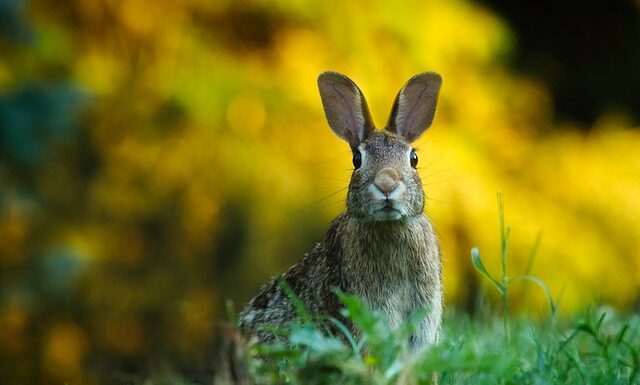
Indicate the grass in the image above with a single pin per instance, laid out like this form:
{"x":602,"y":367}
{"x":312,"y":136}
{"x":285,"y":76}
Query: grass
{"x":599,"y":346}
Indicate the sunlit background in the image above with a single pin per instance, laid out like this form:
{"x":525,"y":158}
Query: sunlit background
{"x":159,"y":158}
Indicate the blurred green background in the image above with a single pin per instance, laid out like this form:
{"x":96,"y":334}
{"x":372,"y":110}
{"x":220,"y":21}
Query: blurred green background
{"x":157,"y":159}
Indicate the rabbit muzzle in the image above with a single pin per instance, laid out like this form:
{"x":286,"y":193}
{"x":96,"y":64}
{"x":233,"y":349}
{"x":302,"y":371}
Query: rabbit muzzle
{"x":386,"y":195}
{"x":387,"y":180}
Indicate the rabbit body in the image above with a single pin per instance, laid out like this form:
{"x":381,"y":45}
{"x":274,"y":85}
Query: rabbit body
{"x":383,"y":248}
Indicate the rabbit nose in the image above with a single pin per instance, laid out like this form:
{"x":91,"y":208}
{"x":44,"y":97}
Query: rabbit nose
{"x":387,"y":180}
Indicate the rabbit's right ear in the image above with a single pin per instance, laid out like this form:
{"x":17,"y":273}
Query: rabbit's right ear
{"x":345,"y":108}
{"x":415,"y":106}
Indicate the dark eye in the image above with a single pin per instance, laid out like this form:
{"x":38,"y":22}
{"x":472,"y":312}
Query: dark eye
{"x":357,"y":159}
{"x":413,"y":159}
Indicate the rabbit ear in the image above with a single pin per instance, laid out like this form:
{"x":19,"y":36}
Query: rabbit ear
{"x":415,"y":106}
{"x":345,"y":108}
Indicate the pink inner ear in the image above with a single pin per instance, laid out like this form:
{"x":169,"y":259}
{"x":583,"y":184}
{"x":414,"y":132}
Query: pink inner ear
{"x":344,"y":106}
{"x":348,"y":112}
{"x":415,"y":106}
{"x":409,"y":128}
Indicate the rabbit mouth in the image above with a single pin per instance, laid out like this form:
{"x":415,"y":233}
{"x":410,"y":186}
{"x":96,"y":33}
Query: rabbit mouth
{"x":388,"y":212}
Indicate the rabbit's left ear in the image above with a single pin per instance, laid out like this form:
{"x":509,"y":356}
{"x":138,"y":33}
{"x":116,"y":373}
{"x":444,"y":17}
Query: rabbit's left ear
{"x":345,"y":108}
{"x":415,"y":106}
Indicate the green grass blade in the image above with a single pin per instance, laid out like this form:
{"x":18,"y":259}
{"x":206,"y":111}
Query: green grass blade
{"x":298,"y":305}
{"x":477,"y":263}
{"x":542,"y":285}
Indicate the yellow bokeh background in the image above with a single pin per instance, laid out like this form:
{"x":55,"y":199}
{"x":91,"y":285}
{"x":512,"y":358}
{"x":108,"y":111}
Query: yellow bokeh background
{"x":204,"y":167}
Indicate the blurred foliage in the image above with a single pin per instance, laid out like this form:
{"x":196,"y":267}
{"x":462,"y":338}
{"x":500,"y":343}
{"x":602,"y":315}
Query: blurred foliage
{"x":157,"y":160}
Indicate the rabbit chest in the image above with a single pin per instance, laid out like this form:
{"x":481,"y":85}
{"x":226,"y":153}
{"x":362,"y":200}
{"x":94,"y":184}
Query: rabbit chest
{"x":395,"y":269}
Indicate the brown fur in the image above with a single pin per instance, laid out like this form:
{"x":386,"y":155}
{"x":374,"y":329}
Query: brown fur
{"x":391,"y":263}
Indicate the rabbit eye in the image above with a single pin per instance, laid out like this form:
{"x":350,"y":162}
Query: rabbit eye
{"x":413,"y":159}
{"x":357,"y":159}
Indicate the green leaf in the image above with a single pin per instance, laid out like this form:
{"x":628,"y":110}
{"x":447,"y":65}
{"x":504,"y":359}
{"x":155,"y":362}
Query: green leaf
{"x":313,"y":338}
{"x":347,"y":334}
{"x":477,"y":263}
{"x":542,"y":285}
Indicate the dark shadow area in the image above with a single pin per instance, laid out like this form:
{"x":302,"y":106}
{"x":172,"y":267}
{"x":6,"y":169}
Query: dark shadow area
{"x":587,"y":53}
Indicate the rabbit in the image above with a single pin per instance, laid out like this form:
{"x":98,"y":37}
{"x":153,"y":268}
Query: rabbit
{"x":383,"y":248}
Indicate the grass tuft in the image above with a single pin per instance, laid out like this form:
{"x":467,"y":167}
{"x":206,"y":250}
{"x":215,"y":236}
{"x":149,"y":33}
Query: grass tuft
{"x":600,"y":346}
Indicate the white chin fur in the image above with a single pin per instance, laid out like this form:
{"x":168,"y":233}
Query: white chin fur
{"x":380,"y":213}
{"x":383,"y":216}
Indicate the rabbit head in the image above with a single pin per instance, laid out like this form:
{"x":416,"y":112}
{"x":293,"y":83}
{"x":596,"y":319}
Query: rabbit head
{"x":385,"y":185}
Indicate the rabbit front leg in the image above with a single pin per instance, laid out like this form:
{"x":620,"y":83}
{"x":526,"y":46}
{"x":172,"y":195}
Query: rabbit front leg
{"x":428,"y":331}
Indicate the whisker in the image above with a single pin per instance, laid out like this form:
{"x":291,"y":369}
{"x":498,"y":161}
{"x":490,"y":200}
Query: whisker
{"x":436,"y":158}
{"x":439,"y":200}
{"x":319,"y":207}
{"x":328,"y":204}
{"x":437,"y":172}
{"x":444,"y":244}
{"x":344,"y":181}
{"x":322,"y":200}
{"x":441,"y":181}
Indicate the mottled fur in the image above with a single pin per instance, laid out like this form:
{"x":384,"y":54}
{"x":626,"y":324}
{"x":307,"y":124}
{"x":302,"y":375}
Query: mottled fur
{"x":383,"y":249}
